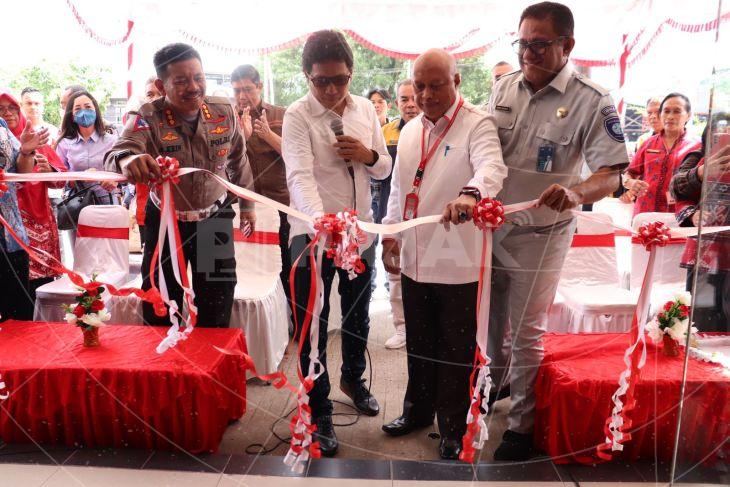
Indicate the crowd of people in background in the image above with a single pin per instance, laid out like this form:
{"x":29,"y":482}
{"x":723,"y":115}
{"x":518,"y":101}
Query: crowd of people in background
{"x":332,"y":150}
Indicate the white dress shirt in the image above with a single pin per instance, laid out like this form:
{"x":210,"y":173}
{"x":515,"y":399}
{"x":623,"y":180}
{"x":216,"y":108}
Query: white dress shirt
{"x":317,"y":177}
{"x":469,"y":155}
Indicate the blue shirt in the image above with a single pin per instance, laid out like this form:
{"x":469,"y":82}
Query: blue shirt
{"x":9,"y":150}
{"x":79,"y":154}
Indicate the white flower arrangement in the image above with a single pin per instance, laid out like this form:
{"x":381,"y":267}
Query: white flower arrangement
{"x":673,"y":320}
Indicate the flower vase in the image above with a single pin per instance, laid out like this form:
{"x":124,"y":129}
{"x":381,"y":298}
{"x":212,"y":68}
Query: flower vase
{"x":670,"y":348}
{"x":91,"y":336}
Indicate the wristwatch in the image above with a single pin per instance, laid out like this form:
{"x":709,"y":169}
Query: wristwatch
{"x":471,"y":191}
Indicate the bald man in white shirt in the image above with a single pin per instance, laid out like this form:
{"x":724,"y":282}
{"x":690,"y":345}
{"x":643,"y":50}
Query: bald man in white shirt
{"x":439,"y":265}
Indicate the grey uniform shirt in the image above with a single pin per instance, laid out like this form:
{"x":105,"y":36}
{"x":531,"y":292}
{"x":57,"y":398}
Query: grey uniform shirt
{"x":572,"y":118}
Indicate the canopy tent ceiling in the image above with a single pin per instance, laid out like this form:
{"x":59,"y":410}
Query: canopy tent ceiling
{"x":234,"y":31}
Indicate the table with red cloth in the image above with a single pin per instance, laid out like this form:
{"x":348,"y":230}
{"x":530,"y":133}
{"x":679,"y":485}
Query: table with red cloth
{"x":122,"y":393}
{"x":578,"y":376}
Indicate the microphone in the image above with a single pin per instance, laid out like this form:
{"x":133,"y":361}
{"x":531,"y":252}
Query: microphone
{"x":337,"y":128}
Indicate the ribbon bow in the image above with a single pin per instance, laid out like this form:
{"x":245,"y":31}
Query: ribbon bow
{"x":169,"y":166}
{"x":488,"y":213}
{"x":343,"y":238}
{"x":653,"y":234}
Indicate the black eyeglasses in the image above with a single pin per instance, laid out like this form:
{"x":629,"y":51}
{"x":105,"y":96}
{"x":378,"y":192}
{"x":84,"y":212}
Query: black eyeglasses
{"x":324,"y":81}
{"x":538,"y":48}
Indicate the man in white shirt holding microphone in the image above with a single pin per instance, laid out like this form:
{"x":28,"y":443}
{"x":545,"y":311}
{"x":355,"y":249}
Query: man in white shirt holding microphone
{"x":332,"y":145}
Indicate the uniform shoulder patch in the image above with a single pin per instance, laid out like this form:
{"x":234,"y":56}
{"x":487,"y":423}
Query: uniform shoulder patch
{"x":140,"y":124}
{"x":608,"y":110}
{"x":613,"y":129}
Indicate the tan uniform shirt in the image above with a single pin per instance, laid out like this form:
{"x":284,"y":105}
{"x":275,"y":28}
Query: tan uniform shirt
{"x":267,"y":165}
{"x":212,"y":142}
{"x":572,"y":118}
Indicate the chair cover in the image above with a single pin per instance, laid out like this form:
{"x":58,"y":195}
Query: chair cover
{"x":102,"y":249}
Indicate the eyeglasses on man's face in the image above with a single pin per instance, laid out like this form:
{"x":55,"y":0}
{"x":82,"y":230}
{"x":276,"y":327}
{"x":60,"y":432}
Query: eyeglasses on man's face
{"x":324,"y":81}
{"x":538,"y":48}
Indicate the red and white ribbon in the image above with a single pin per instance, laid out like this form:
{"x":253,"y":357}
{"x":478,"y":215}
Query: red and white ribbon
{"x":170,"y":231}
{"x":651,"y":235}
{"x":488,"y":215}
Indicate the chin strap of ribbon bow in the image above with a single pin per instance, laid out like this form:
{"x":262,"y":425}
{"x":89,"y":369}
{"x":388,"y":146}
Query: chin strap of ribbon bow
{"x":488,"y":215}
{"x":618,"y":425}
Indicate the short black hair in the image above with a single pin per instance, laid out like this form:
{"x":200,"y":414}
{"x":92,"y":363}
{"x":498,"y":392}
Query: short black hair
{"x":326,"y":46}
{"x":246,"y":71}
{"x":29,"y":89}
{"x":407,"y":81}
{"x":383,"y":94}
{"x":173,"y":53}
{"x":687,"y":104}
{"x":559,"y":14}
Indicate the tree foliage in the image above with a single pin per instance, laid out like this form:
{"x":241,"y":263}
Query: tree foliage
{"x":372,"y":70}
{"x":50,"y":78}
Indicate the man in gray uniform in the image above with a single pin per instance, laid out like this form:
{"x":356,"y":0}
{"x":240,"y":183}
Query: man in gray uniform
{"x":550,"y":120}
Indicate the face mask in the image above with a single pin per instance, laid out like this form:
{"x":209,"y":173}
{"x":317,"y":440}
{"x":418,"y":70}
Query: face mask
{"x":85,"y":117}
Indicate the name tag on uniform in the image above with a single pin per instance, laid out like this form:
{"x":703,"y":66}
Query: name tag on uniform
{"x":502,"y":108}
{"x":545,"y":156}
{"x":653,"y":151}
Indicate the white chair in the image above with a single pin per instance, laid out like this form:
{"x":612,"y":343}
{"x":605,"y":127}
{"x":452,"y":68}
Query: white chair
{"x":589,"y":297}
{"x":259,"y":304}
{"x":669,"y":277}
{"x":102,"y":248}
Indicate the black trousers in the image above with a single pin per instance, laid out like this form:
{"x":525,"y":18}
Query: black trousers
{"x":285,"y":254}
{"x":441,"y":330}
{"x":15,"y":300}
{"x":208,"y":246}
{"x":355,"y":304}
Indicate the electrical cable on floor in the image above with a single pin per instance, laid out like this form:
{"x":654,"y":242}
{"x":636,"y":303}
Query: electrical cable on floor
{"x":260,"y":448}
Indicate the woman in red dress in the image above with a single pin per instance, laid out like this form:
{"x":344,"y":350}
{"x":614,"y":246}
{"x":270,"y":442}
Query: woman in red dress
{"x":647,"y":177}
{"x":35,"y":207}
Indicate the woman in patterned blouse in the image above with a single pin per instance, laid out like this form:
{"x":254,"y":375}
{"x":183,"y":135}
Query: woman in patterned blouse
{"x":647,"y":177}
{"x":16,"y":155}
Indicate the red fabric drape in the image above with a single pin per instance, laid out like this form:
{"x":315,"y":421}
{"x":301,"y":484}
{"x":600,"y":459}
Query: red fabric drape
{"x":123,"y":393}
{"x":574,"y":387}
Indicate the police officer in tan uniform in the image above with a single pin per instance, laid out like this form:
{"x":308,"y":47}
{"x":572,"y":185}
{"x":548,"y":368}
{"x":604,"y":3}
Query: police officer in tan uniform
{"x":199,"y":132}
{"x":551,"y":121}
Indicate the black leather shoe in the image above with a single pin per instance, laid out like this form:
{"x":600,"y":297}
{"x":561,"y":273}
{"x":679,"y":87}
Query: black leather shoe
{"x":515,"y":447}
{"x":402,"y":426}
{"x":325,"y":434}
{"x":361,"y":397}
{"x":449,"y":449}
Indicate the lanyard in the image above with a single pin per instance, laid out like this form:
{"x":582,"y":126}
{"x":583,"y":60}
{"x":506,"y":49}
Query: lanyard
{"x":425,"y":159}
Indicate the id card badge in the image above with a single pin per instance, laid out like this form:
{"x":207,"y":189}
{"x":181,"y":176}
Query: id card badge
{"x":545,"y":156}
{"x":410,"y":209}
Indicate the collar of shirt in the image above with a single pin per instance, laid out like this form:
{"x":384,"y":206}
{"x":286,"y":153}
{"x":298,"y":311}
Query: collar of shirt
{"x":442,"y":122}
{"x":318,"y":110}
{"x":93,"y":138}
{"x":559,"y":82}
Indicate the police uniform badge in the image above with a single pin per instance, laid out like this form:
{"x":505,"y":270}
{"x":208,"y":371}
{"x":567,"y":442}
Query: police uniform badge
{"x":170,"y":137}
{"x":140,"y":124}
{"x":220,"y":129}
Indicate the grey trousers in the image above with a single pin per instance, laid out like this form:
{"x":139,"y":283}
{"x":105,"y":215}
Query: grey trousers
{"x":526,"y":268}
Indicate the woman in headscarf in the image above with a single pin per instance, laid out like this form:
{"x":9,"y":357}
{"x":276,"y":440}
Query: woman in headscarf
{"x":35,"y":207}
{"x":16,"y":155}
